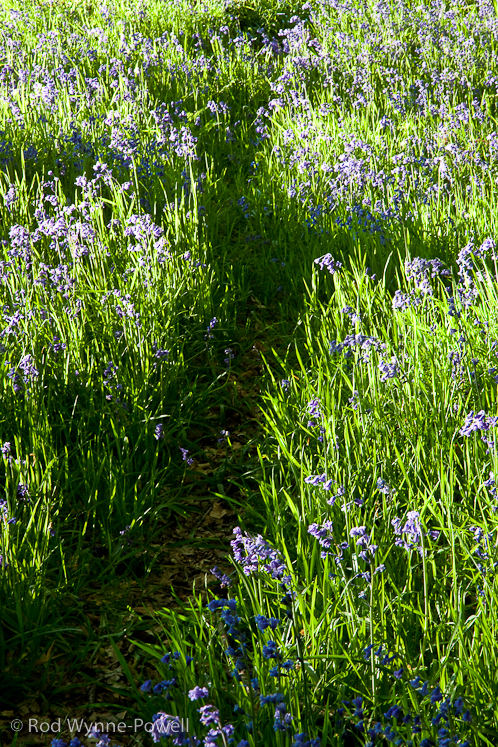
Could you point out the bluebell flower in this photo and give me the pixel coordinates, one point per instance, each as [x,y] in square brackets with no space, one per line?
[300,739]
[256,550]
[417,725]
[389,733]
[383,487]
[322,534]
[366,651]
[229,618]
[328,262]
[282,723]
[314,408]
[361,533]
[209,715]
[389,370]
[477,422]
[374,731]
[198,692]
[394,712]
[270,650]
[216,604]
[340,492]
[185,456]
[162,724]
[436,695]
[22,491]
[274,698]
[302,742]
[287,599]
[264,622]
[146,687]
[412,526]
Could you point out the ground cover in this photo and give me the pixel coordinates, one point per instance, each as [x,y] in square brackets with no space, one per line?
[248,290]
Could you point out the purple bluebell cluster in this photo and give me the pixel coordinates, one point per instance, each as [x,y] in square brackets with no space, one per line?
[328,262]
[319,480]
[185,456]
[409,725]
[363,342]
[479,422]
[223,578]
[323,534]
[165,725]
[254,554]
[491,486]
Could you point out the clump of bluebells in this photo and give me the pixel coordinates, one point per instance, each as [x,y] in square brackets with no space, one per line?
[259,657]
[441,716]
[267,667]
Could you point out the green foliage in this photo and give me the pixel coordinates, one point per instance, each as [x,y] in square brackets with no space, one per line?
[178,182]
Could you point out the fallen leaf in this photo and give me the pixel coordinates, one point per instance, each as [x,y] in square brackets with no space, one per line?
[204,469]
[46,656]
[217,512]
